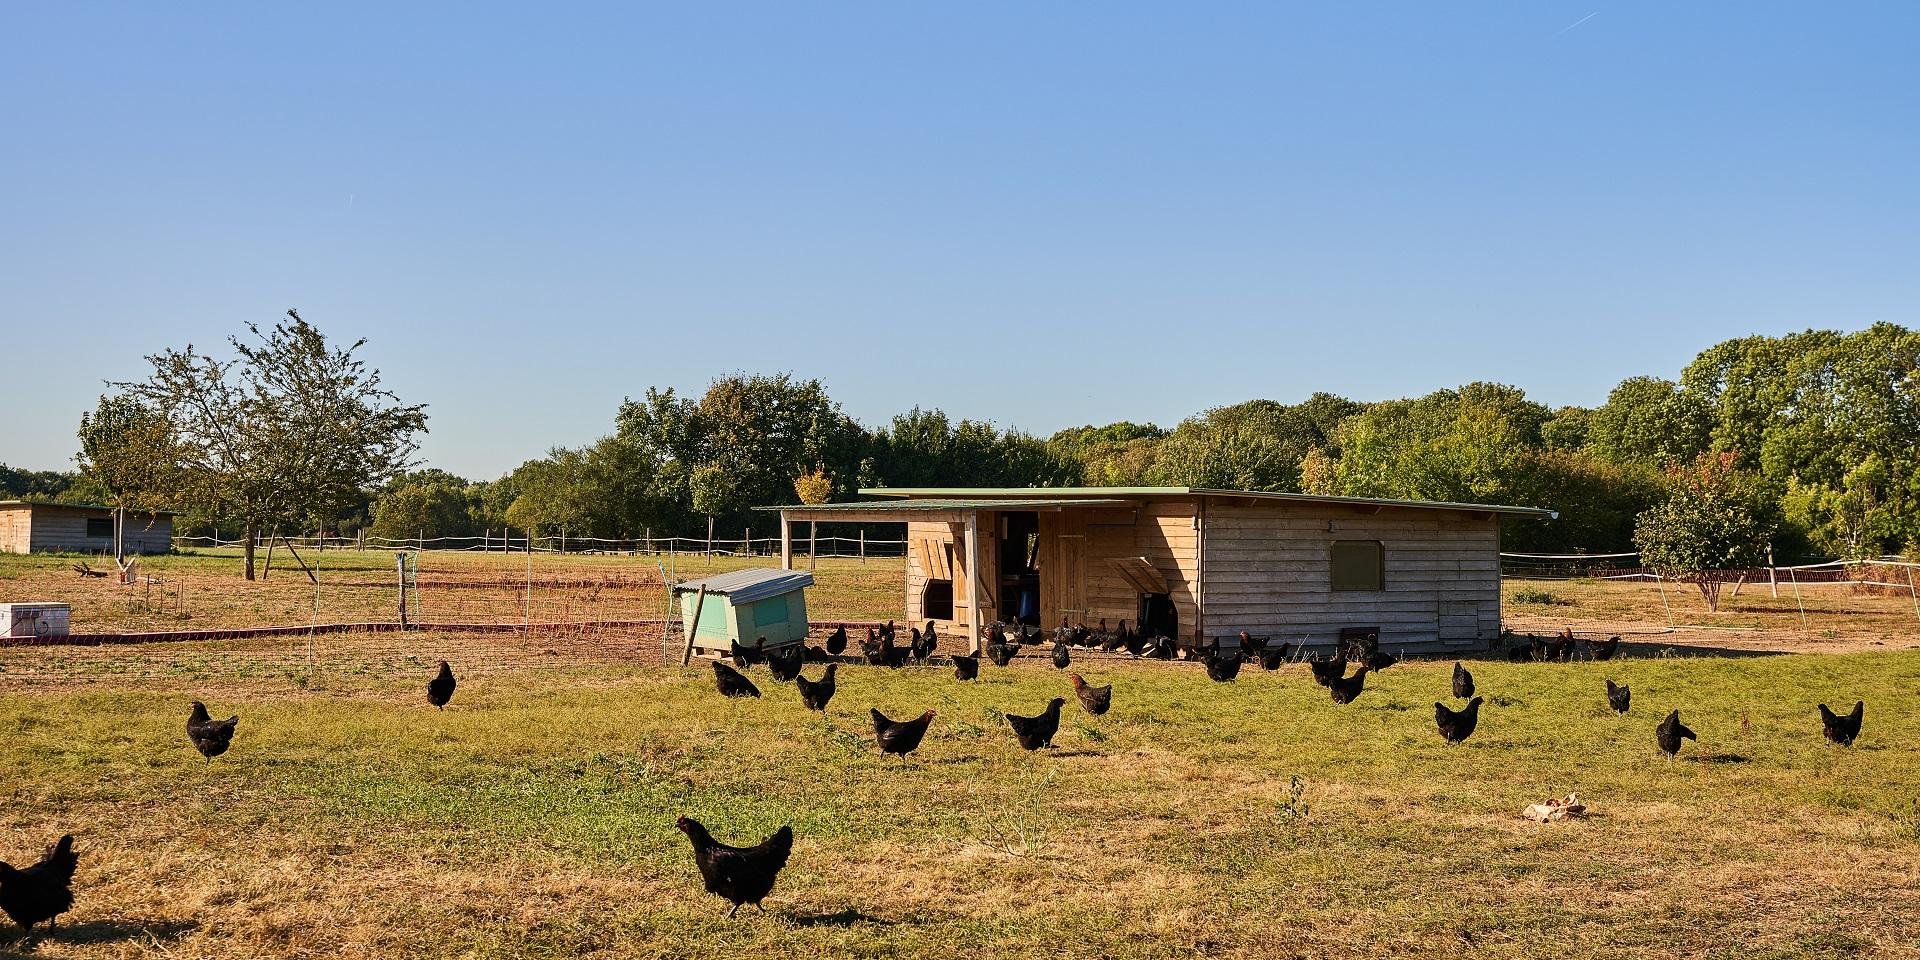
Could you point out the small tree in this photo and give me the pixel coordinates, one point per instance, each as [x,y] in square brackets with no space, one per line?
[1710,524]
[290,428]
[713,490]
[126,450]
[815,487]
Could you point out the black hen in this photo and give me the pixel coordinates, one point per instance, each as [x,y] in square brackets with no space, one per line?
[813,654]
[1272,658]
[922,643]
[1670,732]
[1604,649]
[1457,725]
[1462,681]
[1117,639]
[440,688]
[965,667]
[1380,660]
[1842,730]
[732,683]
[1250,645]
[816,693]
[785,663]
[1222,666]
[1002,653]
[901,737]
[837,640]
[43,891]
[1159,648]
[211,737]
[1325,672]
[1036,732]
[1095,700]
[740,874]
[1345,689]
[1619,697]
[1061,658]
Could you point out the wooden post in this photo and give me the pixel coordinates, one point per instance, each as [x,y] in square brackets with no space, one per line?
[693,626]
[1773,574]
[863,545]
[786,542]
[973,582]
[296,559]
[1794,576]
[709,540]
[268,569]
[746,543]
[813,544]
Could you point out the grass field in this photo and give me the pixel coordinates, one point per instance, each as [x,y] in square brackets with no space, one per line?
[534,817]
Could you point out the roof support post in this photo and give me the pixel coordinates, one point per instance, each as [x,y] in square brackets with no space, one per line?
[786,542]
[973,582]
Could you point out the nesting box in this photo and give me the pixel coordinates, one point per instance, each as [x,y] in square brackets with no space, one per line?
[30,621]
[744,606]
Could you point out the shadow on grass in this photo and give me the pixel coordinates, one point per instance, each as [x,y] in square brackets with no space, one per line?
[101,931]
[1722,758]
[844,918]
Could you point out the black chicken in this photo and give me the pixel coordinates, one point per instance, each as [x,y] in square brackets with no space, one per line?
[1669,734]
[1538,649]
[211,737]
[1272,658]
[43,891]
[1462,681]
[1457,725]
[1222,666]
[1345,689]
[1250,645]
[1325,672]
[1604,649]
[837,641]
[1561,646]
[1061,658]
[965,667]
[816,693]
[1519,653]
[1842,730]
[812,654]
[740,874]
[732,683]
[1002,653]
[1095,700]
[921,643]
[440,688]
[1133,642]
[901,737]
[1380,660]
[1117,640]
[1619,697]
[785,664]
[744,656]
[1159,648]
[1036,732]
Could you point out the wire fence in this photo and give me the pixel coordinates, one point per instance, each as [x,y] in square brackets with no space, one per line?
[851,547]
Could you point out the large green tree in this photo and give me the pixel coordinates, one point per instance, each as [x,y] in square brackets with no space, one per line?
[1715,520]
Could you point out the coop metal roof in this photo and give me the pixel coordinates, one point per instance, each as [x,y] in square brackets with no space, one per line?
[82,506]
[932,504]
[753,583]
[992,497]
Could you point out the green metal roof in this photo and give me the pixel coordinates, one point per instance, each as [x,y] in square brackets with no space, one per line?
[1063,495]
[932,504]
[80,506]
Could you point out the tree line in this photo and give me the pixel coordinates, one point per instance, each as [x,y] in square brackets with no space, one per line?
[1811,439]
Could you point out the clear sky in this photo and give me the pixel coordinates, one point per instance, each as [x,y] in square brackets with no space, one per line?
[1042,214]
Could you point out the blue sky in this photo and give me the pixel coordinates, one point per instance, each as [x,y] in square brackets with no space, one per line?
[1038,214]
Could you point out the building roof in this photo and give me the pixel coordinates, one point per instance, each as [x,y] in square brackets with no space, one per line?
[753,583]
[1005,497]
[81,506]
[931,504]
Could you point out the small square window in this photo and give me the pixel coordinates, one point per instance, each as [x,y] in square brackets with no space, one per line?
[1359,565]
[99,527]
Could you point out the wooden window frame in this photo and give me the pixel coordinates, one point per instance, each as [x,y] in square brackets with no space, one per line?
[1333,567]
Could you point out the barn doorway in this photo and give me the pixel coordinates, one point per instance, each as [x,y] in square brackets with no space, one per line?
[1158,616]
[1019,547]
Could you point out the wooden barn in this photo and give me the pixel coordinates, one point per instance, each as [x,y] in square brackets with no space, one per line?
[31,526]
[1195,564]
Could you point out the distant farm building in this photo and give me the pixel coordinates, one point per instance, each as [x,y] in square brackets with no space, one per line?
[31,527]
[1195,564]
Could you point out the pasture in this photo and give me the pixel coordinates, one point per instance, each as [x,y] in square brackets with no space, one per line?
[534,816]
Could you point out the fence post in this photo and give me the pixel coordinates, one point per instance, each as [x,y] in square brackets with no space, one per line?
[863,545]
[813,544]
[746,544]
[1773,573]
[1915,594]
[400,567]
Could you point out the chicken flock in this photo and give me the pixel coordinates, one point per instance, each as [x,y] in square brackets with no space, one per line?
[41,892]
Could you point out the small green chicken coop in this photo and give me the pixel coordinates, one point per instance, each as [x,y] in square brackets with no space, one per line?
[744,606]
